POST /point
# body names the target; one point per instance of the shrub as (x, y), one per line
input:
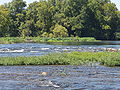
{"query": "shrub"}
(60, 31)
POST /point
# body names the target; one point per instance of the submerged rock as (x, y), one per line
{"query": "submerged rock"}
(111, 50)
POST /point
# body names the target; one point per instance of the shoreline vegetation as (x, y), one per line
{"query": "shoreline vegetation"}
(110, 59)
(60, 18)
(12, 40)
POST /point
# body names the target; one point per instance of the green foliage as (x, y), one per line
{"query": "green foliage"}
(60, 18)
(117, 35)
(5, 21)
(60, 31)
(74, 58)
(45, 34)
(9, 40)
(17, 14)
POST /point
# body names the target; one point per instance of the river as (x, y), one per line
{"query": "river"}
(58, 77)
(37, 49)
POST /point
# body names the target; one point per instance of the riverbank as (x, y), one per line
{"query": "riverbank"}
(73, 58)
(11, 40)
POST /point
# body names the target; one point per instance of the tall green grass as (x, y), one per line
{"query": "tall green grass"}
(73, 58)
(10, 40)
(65, 39)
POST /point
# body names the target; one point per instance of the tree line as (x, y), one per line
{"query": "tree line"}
(60, 18)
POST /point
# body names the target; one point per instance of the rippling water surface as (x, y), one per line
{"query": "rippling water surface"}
(36, 49)
(59, 78)
(94, 77)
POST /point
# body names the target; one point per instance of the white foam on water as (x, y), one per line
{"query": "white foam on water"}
(34, 51)
(12, 51)
(45, 48)
(64, 49)
(56, 49)
(48, 83)
(22, 50)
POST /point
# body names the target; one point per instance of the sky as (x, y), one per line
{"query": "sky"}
(117, 2)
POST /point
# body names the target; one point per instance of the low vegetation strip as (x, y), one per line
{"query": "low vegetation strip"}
(10, 40)
(73, 58)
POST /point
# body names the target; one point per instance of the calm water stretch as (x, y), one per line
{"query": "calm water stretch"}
(58, 77)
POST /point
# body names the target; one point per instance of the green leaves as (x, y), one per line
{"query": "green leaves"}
(60, 31)
(82, 18)
(5, 21)
(16, 6)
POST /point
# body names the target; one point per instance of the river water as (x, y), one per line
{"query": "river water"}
(58, 77)
(37, 49)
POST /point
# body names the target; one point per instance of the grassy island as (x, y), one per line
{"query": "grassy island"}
(73, 58)
(11, 40)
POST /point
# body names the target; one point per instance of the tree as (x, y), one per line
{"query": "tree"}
(117, 33)
(50, 18)
(103, 13)
(5, 21)
(17, 13)
(60, 31)
(109, 23)
(73, 12)
(44, 22)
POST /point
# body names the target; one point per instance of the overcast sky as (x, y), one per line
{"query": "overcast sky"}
(117, 2)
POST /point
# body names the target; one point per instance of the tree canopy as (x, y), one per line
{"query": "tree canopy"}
(61, 18)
